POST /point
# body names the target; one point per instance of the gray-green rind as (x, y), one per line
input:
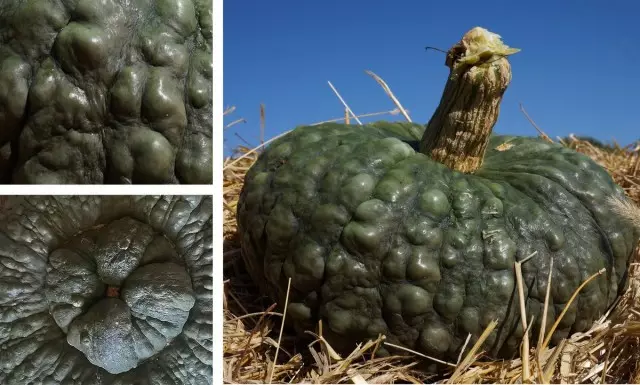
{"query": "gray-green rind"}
(379, 239)
(105, 91)
(58, 324)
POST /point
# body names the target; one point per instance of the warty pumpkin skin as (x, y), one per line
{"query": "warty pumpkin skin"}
(105, 91)
(379, 238)
(106, 290)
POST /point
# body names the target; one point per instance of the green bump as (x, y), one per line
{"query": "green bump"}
(396, 148)
(555, 239)
(309, 139)
(280, 152)
(392, 304)
(97, 11)
(166, 53)
(356, 236)
(34, 14)
(162, 104)
(500, 284)
(456, 238)
(415, 300)
(81, 47)
(402, 175)
(500, 252)
(205, 18)
(448, 301)
(371, 210)
(357, 189)
(309, 259)
(561, 290)
(450, 257)
(284, 178)
(377, 327)
(153, 156)
(299, 311)
(340, 321)
(202, 63)
(305, 186)
(126, 93)
(435, 202)
(433, 238)
(335, 262)
(14, 88)
(618, 244)
(194, 162)
(179, 14)
(435, 339)
(254, 198)
(470, 320)
(389, 190)
(498, 190)
(329, 214)
(465, 205)
(493, 207)
(416, 230)
(317, 168)
(44, 85)
(351, 167)
(198, 90)
(281, 226)
(420, 231)
(423, 265)
(394, 263)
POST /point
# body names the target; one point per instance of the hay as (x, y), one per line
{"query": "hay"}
(608, 353)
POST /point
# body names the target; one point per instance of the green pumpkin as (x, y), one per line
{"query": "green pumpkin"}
(379, 236)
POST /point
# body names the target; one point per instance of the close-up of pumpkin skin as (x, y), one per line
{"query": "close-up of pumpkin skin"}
(397, 229)
(106, 290)
(106, 91)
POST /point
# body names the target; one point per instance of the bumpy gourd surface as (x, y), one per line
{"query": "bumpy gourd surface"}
(379, 239)
(105, 91)
(62, 322)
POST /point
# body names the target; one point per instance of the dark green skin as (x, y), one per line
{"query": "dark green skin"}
(379, 239)
(61, 322)
(105, 91)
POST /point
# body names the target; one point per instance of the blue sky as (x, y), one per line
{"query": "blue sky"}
(577, 71)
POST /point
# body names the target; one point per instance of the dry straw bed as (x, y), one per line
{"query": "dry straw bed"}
(258, 349)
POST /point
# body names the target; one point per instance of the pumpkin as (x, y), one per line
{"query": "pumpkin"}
(105, 91)
(106, 290)
(412, 231)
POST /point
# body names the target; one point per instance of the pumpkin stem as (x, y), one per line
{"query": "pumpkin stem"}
(113, 291)
(459, 130)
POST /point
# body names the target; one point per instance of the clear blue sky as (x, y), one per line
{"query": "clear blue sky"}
(578, 71)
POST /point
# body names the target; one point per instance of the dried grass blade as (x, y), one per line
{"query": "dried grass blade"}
(344, 103)
(470, 357)
(262, 123)
(542, 133)
(237, 121)
(367, 115)
(389, 93)
(284, 315)
(419, 354)
(566, 307)
(547, 372)
(356, 378)
(246, 154)
(526, 373)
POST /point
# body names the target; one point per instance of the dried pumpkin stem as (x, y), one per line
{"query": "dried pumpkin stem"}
(459, 130)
